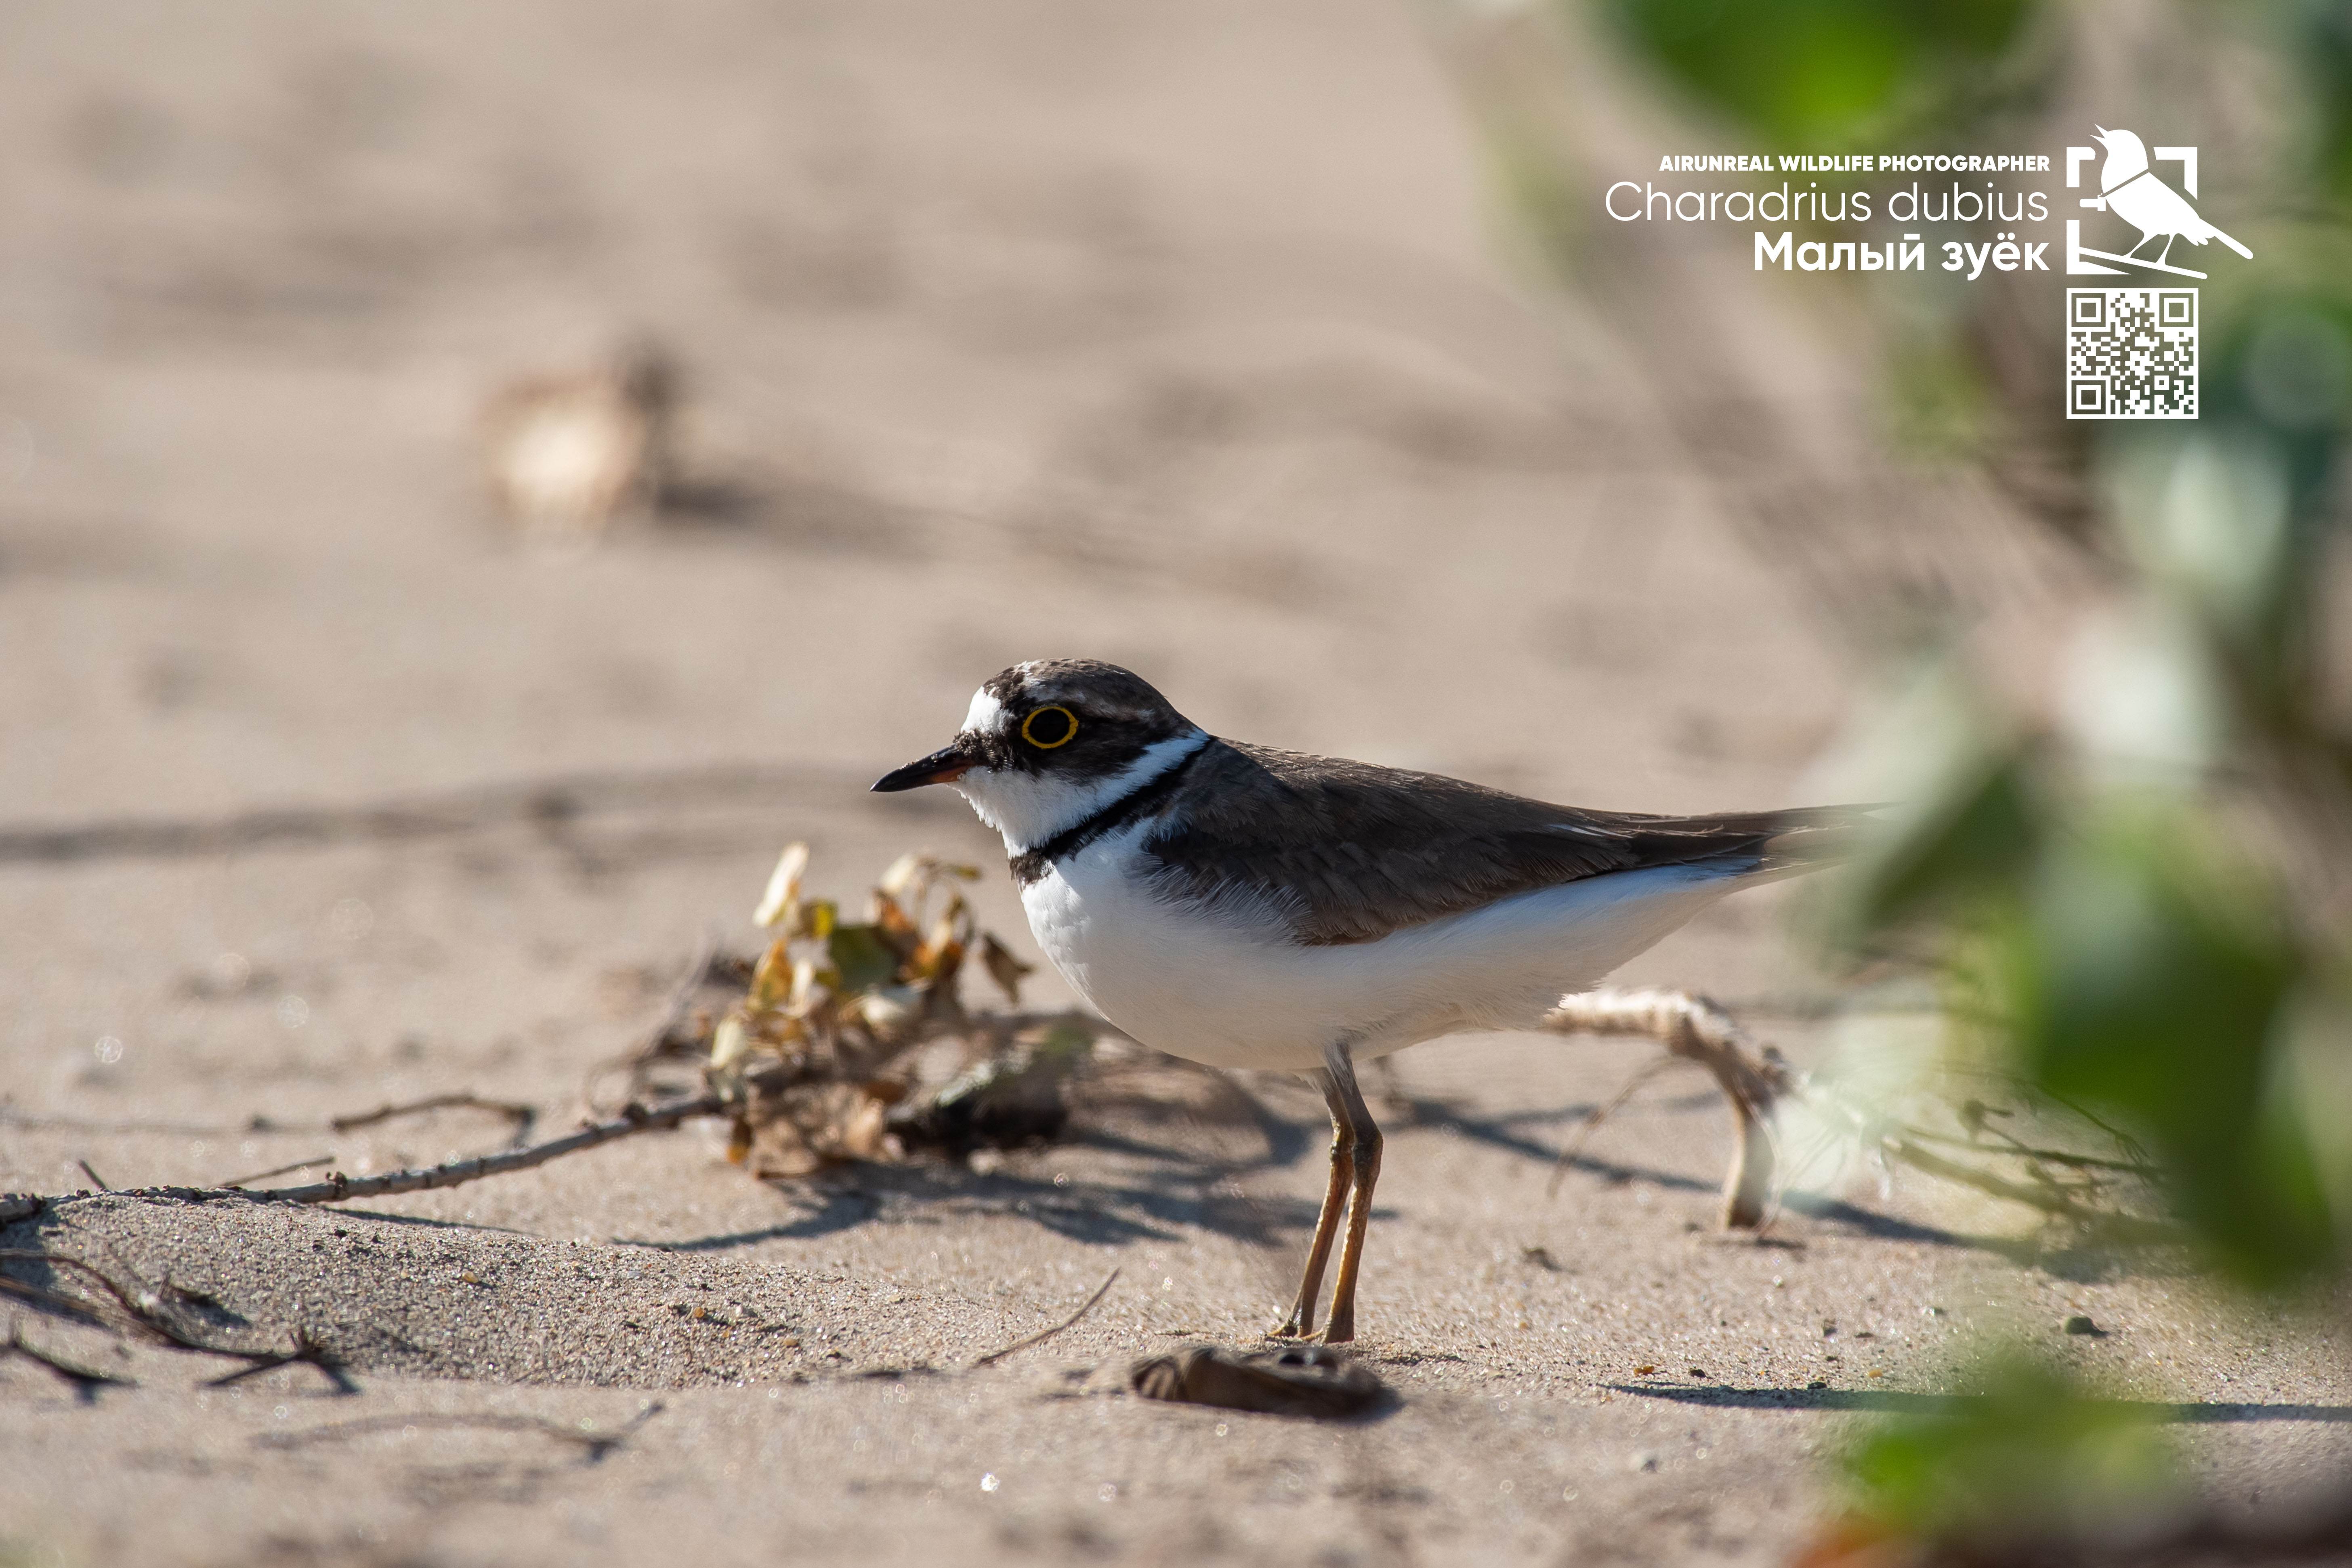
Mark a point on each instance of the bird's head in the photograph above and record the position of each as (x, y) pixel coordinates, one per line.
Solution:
(1046, 743)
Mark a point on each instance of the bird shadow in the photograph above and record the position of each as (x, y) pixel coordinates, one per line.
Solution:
(1161, 1200)
(1515, 1133)
(1162, 1186)
(1507, 1131)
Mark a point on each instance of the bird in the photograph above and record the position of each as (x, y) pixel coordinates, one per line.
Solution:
(2140, 198)
(1241, 905)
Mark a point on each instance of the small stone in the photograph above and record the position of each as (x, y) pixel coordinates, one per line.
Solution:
(1642, 1462)
(2080, 1324)
(1644, 1370)
(1818, 1383)
(1698, 1371)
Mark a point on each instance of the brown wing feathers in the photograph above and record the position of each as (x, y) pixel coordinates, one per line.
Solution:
(1350, 852)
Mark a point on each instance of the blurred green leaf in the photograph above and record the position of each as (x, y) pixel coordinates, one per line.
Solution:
(864, 958)
(1981, 831)
(2029, 1454)
(1817, 74)
(2146, 983)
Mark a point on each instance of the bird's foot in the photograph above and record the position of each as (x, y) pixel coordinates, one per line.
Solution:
(1290, 1329)
(1337, 1331)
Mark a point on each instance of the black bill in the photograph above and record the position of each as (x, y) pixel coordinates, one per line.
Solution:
(941, 766)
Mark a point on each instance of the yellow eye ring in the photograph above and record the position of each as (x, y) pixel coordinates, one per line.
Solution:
(1028, 734)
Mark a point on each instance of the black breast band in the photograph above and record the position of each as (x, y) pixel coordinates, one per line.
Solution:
(1031, 864)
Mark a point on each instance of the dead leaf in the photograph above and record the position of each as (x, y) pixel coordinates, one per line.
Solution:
(781, 902)
(1003, 968)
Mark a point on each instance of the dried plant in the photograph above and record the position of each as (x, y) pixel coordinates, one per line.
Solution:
(824, 1057)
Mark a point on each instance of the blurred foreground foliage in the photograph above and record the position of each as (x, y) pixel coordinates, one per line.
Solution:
(2029, 1457)
(2128, 868)
(2137, 885)
(1809, 72)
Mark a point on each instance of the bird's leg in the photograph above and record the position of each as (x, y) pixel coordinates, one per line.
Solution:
(1301, 1321)
(2166, 251)
(1366, 1136)
(2133, 252)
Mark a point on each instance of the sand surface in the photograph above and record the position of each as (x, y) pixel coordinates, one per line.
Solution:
(1173, 336)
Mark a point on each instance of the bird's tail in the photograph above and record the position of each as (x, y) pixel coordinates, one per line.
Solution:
(1751, 845)
(2230, 243)
(1811, 837)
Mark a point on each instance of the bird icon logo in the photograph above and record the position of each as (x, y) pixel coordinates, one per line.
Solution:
(2130, 187)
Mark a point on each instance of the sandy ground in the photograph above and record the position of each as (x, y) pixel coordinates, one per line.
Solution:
(1169, 336)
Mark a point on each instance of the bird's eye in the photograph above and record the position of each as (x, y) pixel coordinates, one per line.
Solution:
(1051, 726)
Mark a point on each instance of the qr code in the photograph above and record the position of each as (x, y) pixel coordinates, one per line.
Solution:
(2131, 354)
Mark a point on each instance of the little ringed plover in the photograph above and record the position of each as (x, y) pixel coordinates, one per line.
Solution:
(1246, 907)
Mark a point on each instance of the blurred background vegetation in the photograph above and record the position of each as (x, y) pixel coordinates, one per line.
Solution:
(2126, 752)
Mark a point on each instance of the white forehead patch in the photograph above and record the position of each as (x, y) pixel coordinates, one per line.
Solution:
(985, 714)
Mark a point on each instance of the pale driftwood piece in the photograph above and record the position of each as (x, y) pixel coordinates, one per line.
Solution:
(1753, 1078)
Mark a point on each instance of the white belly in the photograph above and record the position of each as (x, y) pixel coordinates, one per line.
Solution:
(1231, 994)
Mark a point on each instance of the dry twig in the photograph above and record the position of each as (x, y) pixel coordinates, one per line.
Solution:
(634, 1119)
(1754, 1080)
(1599, 1114)
(522, 1116)
(993, 1357)
(311, 1164)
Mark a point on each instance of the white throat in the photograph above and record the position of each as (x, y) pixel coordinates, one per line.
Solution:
(1030, 808)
